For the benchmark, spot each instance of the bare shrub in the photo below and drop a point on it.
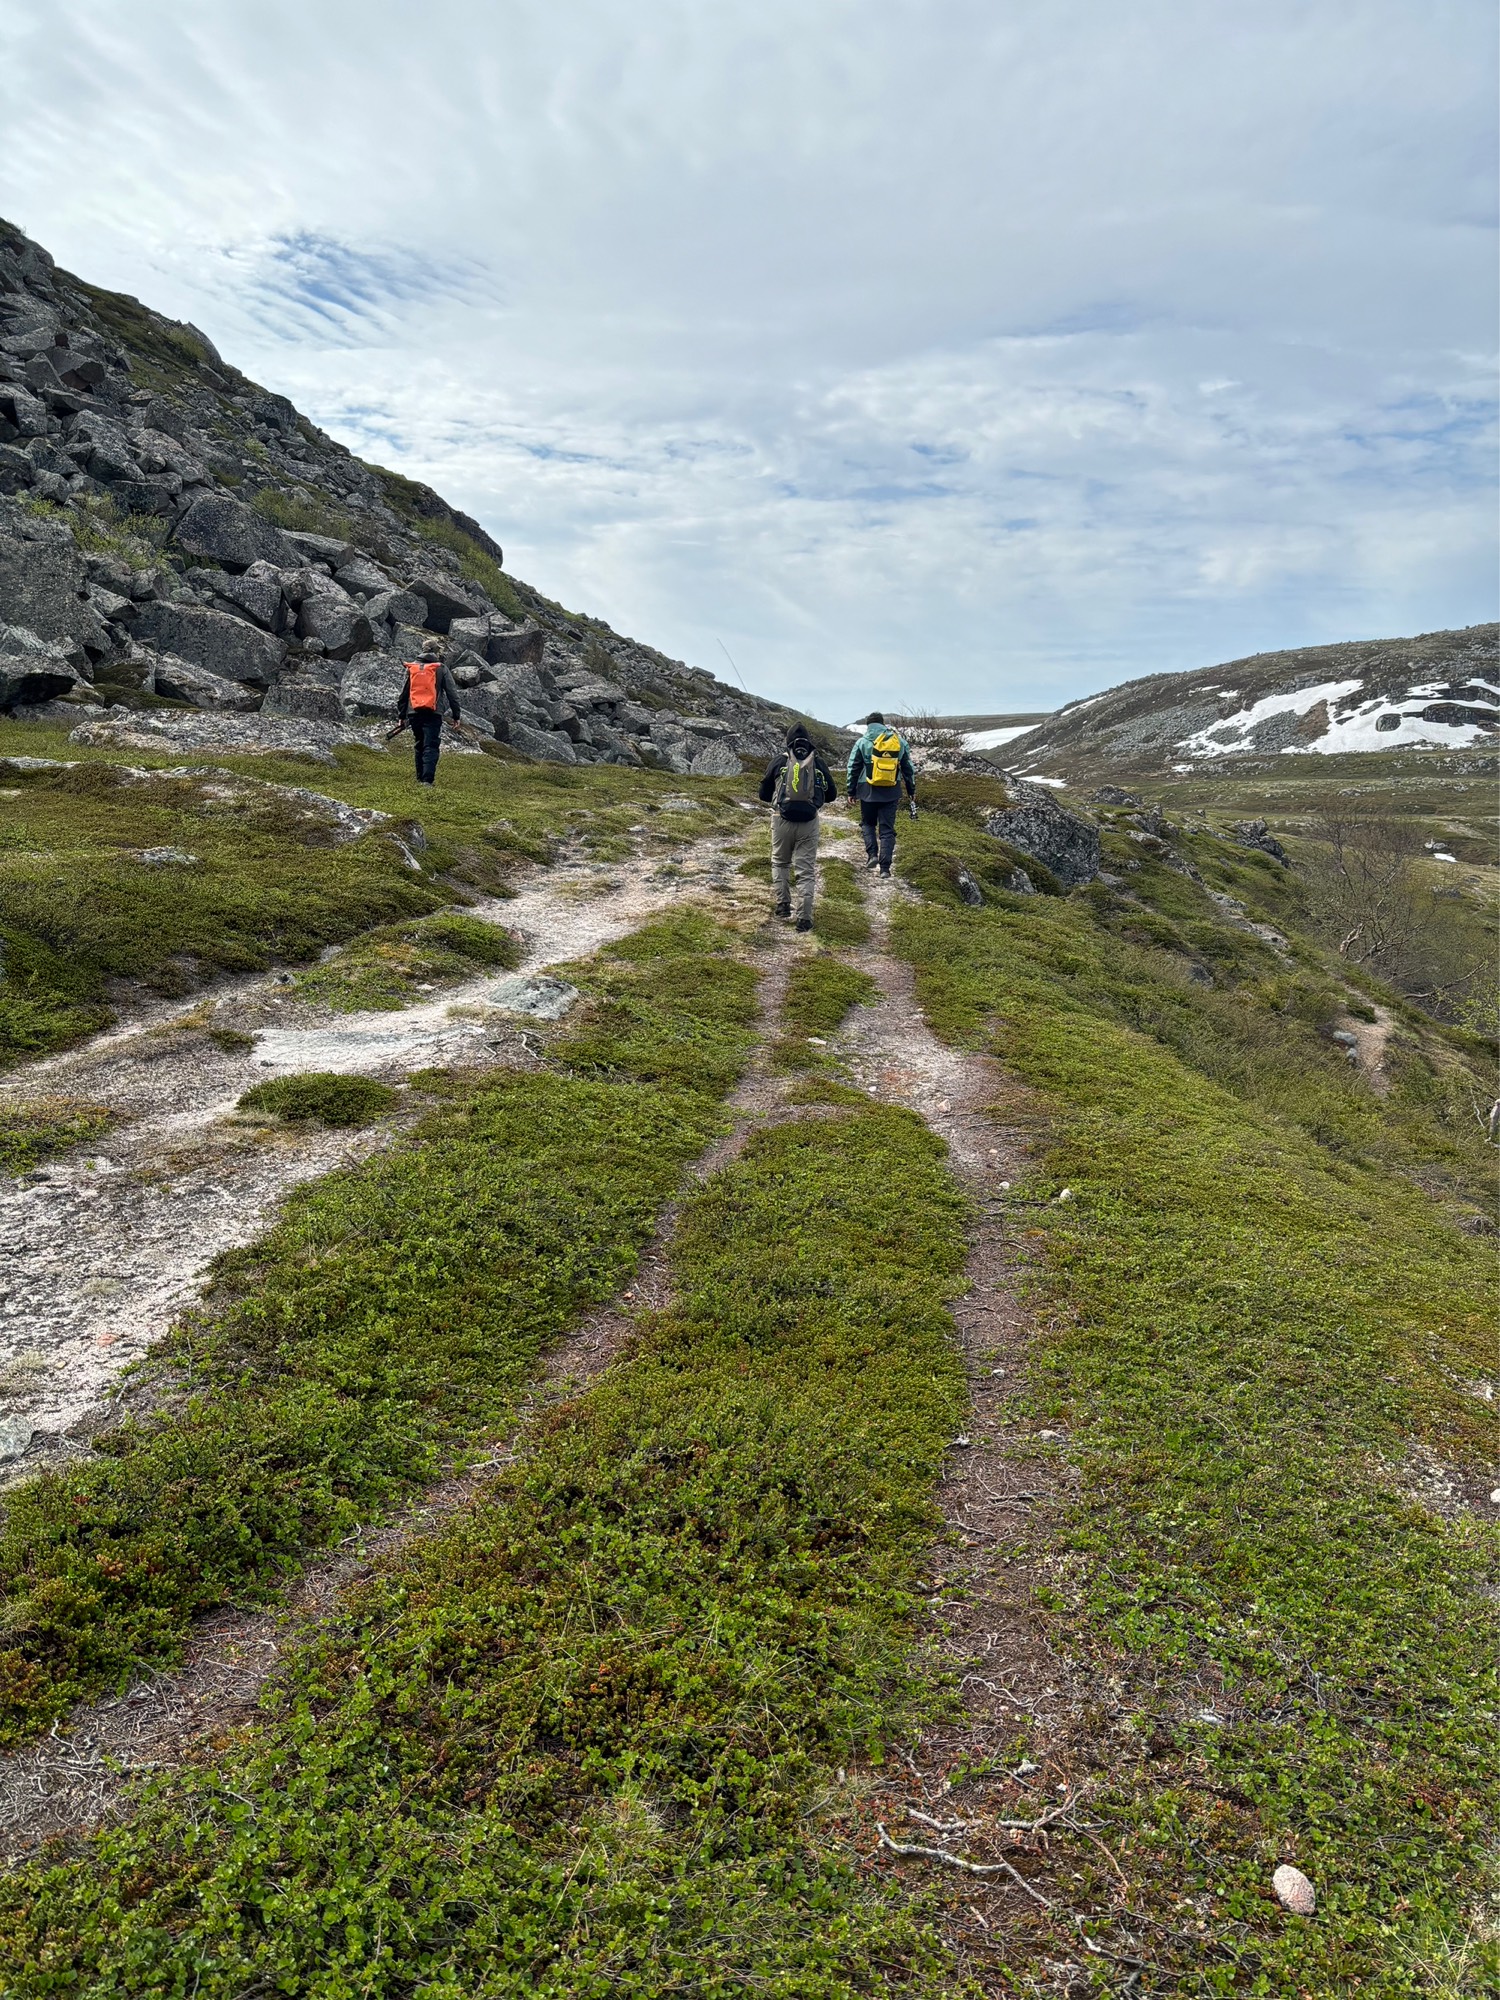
(926, 731)
(1370, 896)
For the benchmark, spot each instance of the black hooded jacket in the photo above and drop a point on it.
(447, 691)
(797, 740)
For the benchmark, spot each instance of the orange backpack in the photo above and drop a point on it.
(422, 682)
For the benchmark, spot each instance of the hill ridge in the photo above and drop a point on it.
(176, 539)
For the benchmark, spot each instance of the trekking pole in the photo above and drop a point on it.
(911, 807)
(392, 734)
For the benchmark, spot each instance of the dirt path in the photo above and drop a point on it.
(1001, 1477)
(106, 1248)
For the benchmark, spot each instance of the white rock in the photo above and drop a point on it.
(1294, 1891)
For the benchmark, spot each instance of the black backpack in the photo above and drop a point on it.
(802, 787)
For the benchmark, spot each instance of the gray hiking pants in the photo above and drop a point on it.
(794, 851)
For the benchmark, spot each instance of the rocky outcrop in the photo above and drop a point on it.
(1255, 833)
(217, 641)
(45, 589)
(180, 680)
(1064, 842)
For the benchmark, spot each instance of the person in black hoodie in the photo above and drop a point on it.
(796, 784)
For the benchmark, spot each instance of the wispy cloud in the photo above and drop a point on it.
(303, 286)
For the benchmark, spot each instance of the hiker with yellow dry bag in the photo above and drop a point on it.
(879, 765)
(428, 686)
(797, 783)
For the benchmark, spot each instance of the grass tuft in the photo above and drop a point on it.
(31, 1133)
(321, 1098)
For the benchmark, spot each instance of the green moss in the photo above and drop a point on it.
(31, 1133)
(390, 966)
(820, 991)
(321, 1098)
(578, 1741)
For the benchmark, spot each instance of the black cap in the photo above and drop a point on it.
(798, 734)
(875, 716)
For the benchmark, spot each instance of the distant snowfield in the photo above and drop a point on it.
(1357, 728)
(991, 739)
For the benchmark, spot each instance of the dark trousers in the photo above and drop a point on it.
(427, 735)
(877, 822)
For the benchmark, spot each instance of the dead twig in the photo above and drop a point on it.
(910, 1848)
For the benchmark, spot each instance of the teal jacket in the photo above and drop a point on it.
(859, 786)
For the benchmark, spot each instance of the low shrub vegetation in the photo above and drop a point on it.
(39, 1130)
(580, 1741)
(385, 1324)
(390, 966)
(321, 1098)
(82, 919)
(1255, 1312)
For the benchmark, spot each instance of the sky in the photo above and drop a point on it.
(957, 355)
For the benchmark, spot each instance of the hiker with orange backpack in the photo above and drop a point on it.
(428, 685)
(798, 783)
(879, 765)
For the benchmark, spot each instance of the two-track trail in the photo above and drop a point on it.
(83, 1773)
(106, 1248)
(981, 1573)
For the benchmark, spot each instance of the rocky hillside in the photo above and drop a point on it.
(1438, 690)
(183, 556)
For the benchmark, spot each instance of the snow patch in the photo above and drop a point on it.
(991, 739)
(1230, 733)
(1360, 731)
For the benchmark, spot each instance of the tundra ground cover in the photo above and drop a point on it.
(388, 1319)
(579, 1742)
(84, 920)
(1255, 1310)
(388, 967)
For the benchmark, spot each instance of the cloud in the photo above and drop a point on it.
(992, 354)
(305, 287)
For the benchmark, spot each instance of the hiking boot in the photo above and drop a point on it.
(872, 861)
(886, 873)
(783, 910)
(804, 923)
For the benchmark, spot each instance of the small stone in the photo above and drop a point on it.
(1065, 1194)
(168, 857)
(963, 1440)
(1293, 1890)
(16, 1434)
(1025, 1768)
(1495, 1497)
